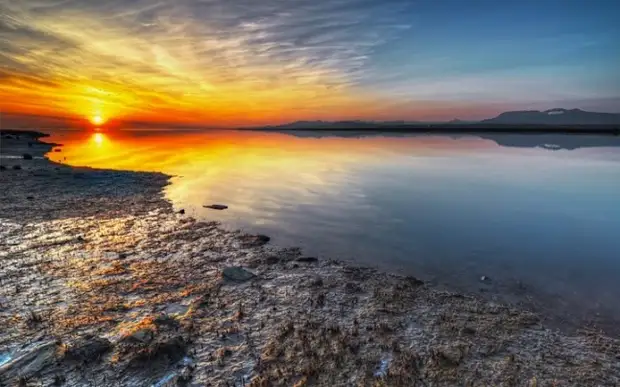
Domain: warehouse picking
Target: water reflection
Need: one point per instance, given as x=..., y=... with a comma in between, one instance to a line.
x=445, y=208
x=98, y=138
x=535, y=140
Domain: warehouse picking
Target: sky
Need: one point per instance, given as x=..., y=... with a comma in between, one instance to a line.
x=245, y=62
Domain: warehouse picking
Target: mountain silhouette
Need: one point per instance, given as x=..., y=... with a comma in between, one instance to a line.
x=554, y=117
x=516, y=119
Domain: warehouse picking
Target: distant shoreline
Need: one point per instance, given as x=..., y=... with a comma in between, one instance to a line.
x=422, y=129
x=461, y=129
x=24, y=132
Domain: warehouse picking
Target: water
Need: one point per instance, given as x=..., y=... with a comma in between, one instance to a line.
x=5, y=357
x=537, y=215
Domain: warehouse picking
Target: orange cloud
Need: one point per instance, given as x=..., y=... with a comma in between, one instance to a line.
x=191, y=62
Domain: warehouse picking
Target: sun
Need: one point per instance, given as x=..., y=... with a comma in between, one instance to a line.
x=97, y=120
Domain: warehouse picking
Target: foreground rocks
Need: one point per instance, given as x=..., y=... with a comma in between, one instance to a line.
x=169, y=311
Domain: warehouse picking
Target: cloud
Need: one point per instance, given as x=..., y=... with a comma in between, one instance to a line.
x=204, y=57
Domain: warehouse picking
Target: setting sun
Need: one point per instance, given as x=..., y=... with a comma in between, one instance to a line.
x=97, y=120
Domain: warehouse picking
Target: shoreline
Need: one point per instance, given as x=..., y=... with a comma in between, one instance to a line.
x=125, y=291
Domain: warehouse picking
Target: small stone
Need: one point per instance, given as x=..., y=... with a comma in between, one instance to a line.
x=237, y=274
x=307, y=259
x=317, y=282
x=271, y=260
x=88, y=348
x=17, y=167
x=181, y=211
x=142, y=335
x=216, y=206
x=30, y=197
x=59, y=380
x=484, y=278
x=351, y=287
x=254, y=240
x=2, y=168
x=414, y=281
x=450, y=356
x=27, y=156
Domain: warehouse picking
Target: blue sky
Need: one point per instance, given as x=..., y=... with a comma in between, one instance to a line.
x=560, y=49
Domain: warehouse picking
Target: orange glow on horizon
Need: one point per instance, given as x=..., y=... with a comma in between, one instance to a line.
x=163, y=80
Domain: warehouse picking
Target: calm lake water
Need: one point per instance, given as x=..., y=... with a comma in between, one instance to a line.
x=538, y=215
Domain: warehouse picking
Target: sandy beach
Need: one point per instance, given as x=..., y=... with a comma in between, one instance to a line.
x=103, y=284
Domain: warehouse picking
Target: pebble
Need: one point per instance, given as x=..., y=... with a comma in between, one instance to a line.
x=216, y=206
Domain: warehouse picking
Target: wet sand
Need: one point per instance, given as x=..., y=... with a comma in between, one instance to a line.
x=101, y=283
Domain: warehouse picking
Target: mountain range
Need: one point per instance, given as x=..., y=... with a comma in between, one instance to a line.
x=554, y=117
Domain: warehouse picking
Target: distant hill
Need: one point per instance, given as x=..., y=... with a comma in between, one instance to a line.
x=336, y=125
x=558, y=116
x=564, y=120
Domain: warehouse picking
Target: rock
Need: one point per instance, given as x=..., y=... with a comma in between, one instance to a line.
x=27, y=156
x=216, y=206
x=467, y=330
x=351, y=287
x=484, y=278
x=414, y=281
x=271, y=260
x=17, y=167
x=237, y=274
x=448, y=356
x=307, y=259
x=143, y=335
x=254, y=240
x=30, y=360
x=317, y=281
x=30, y=197
x=2, y=168
x=88, y=348
x=181, y=211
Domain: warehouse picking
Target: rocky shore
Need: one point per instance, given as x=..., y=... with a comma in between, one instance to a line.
x=102, y=284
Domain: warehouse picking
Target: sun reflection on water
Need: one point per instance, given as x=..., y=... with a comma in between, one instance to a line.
x=98, y=138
